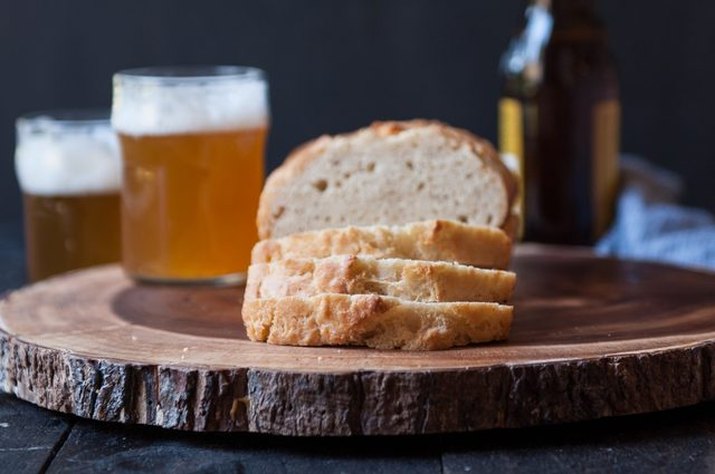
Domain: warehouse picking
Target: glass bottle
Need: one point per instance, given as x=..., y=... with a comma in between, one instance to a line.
x=559, y=115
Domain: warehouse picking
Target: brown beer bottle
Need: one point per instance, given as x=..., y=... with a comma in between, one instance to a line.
x=559, y=116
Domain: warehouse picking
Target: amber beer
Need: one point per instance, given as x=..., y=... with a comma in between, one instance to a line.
x=68, y=232
x=68, y=168
x=193, y=168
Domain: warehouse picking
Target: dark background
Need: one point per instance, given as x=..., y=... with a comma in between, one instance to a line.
x=336, y=65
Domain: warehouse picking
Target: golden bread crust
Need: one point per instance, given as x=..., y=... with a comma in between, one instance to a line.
x=435, y=240
x=375, y=321
x=410, y=280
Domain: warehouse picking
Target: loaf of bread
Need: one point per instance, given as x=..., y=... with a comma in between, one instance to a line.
x=411, y=280
x=390, y=173
x=436, y=240
x=373, y=238
x=380, y=322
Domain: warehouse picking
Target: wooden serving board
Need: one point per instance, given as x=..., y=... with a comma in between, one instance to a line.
x=592, y=337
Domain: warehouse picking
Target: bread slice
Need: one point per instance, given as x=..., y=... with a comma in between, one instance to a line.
x=380, y=322
x=412, y=280
x=389, y=173
x=435, y=240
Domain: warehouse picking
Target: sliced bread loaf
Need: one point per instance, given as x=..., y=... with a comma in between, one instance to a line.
x=435, y=240
x=411, y=280
x=375, y=321
x=389, y=173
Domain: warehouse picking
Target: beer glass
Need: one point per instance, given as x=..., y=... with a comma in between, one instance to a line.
x=69, y=172
x=192, y=141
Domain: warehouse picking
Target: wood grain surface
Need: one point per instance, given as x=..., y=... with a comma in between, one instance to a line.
x=592, y=337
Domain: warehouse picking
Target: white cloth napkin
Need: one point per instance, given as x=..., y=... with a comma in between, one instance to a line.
x=649, y=225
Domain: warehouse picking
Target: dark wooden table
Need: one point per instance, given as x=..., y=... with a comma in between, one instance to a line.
x=33, y=439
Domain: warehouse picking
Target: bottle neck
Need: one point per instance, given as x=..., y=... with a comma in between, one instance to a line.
x=568, y=14
x=523, y=57
x=571, y=7
x=565, y=4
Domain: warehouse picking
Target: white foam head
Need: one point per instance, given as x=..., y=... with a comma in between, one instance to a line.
x=186, y=100
x=57, y=156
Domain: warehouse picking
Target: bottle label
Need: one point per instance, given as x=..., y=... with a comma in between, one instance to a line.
x=511, y=146
x=606, y=143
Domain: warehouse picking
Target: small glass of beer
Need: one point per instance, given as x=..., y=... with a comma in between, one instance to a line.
x=192, y=141
x=69, y=171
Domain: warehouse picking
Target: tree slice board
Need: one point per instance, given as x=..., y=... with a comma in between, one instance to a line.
x=592, y=337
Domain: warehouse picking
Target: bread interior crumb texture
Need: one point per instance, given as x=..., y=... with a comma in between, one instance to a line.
x=414, y=175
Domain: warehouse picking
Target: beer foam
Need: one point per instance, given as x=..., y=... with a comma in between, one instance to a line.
x=160, y=109
x=70, y=163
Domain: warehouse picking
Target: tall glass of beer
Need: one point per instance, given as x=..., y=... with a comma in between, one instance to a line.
x=192, y=141
x=69, y=171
